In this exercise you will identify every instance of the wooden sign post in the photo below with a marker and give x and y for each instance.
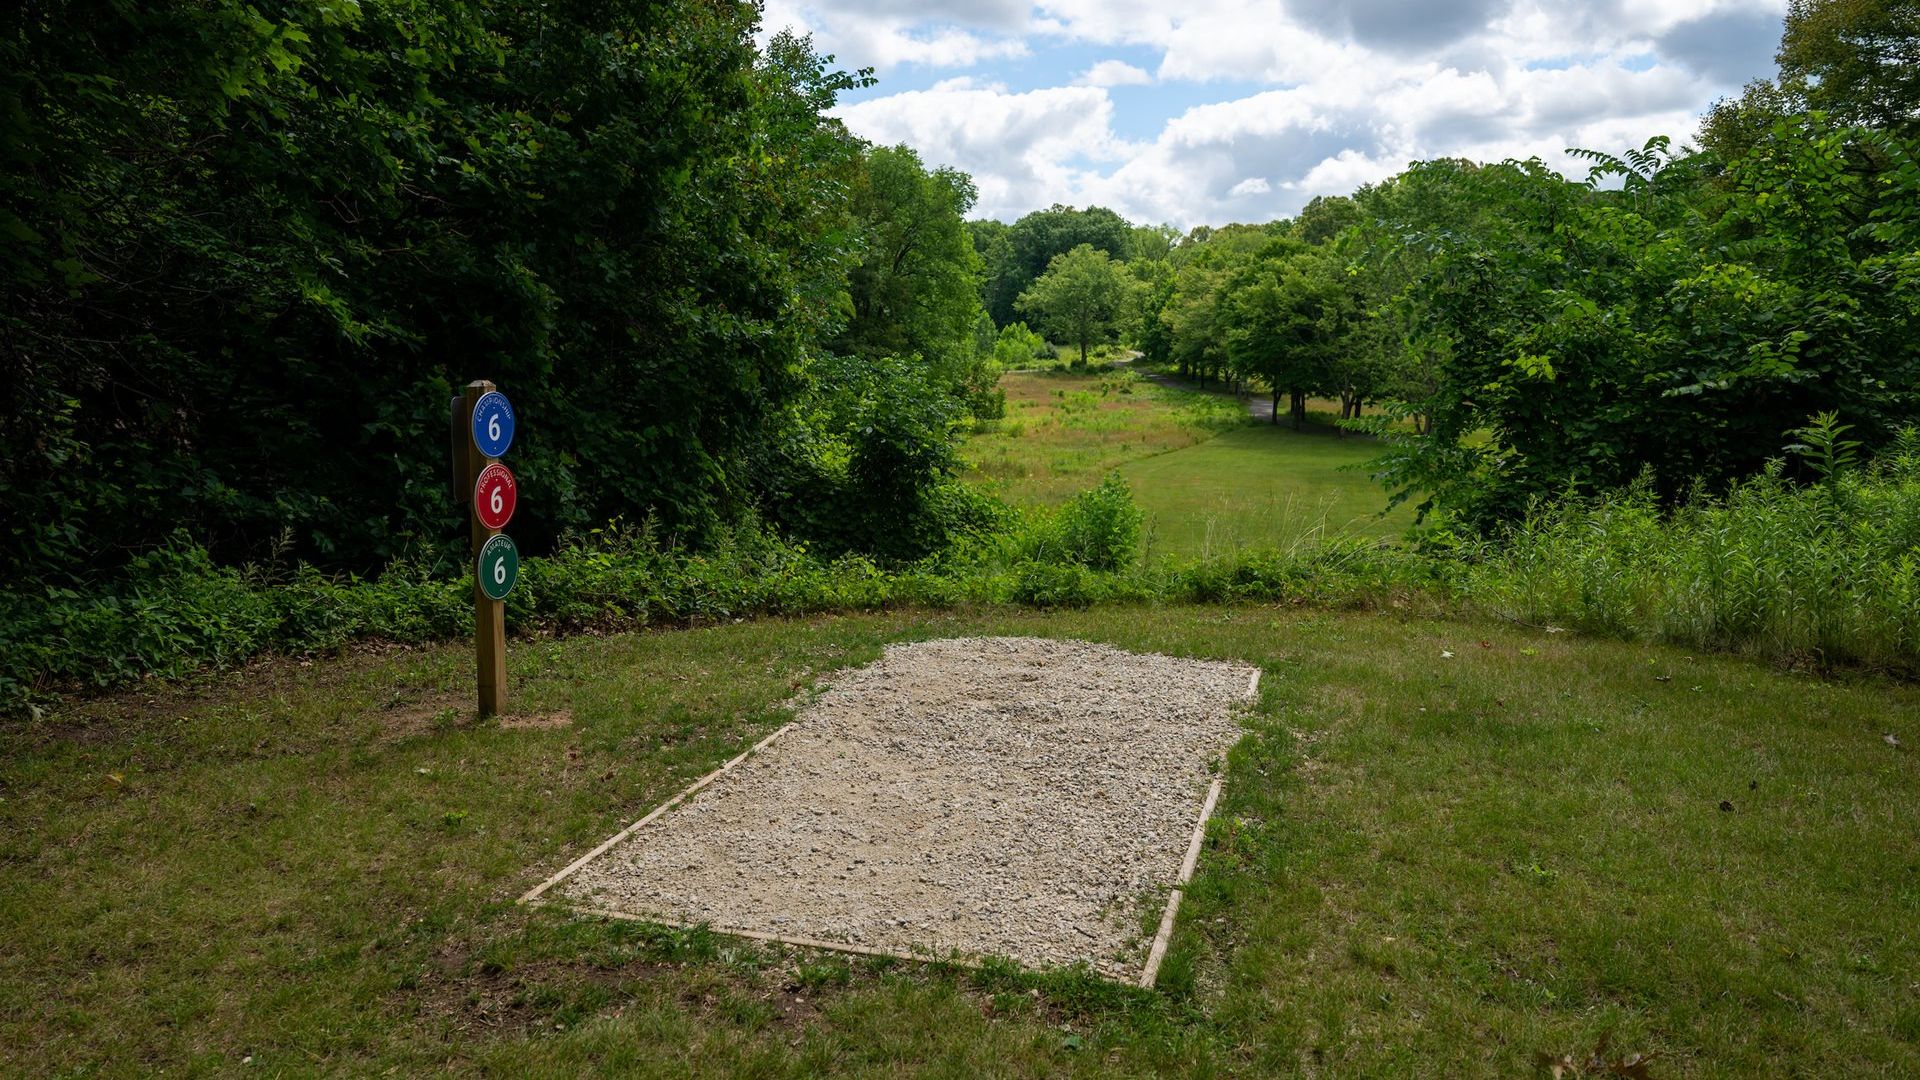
(483, 426)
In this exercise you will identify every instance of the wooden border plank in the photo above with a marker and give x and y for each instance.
(534, 893)
(1151, 972)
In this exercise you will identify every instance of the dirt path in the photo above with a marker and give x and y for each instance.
(1258, 407)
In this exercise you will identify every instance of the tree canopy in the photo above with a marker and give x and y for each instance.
(1017, 254)
(915, 287)
(251, 253)
(1080, 298)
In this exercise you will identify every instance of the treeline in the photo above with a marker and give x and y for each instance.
(252, 248)
(1673, 317)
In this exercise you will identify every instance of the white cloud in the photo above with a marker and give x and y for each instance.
(1323, 96)
(860, 34)
(1345, 172)
(1113, 73)
(1023, 150)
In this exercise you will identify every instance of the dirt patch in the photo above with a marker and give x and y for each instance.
(1019, 797)
(537, 721)
(405, 720)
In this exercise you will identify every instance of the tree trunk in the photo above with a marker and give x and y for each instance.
(1299, 410)
(1276, 406)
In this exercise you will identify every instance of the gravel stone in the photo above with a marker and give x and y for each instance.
(1019, 797)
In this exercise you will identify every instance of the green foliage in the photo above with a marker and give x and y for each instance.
(1080, 298)
(916, 287)
(1658, 318)
(1324, 218)
(1856, 60)
(251, 253)
(1292, 321)
(1018, 347)
(1795, 574)
(870, 465)
(1054, 585)
(1788, 573)
(1826, 451)
(1016, 255)
(1099, 528)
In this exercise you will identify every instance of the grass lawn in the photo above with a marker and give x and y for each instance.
(1064, 432)
(1260, 486)
(1210, 480)
(1443, 847)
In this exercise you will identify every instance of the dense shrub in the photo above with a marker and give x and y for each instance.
(871, 466)
(182, 612)
(1100, 528)
(1017, 346)
(1828, 572)
(1052, 585)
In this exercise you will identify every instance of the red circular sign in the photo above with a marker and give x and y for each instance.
(495, 495)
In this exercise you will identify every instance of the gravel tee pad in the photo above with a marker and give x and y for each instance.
(1019, 797)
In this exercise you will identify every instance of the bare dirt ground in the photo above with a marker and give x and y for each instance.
(1020, 797)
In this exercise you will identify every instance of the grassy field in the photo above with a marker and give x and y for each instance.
(1064, 432)
(1209, 479)
(1443, 848)
(1261, 486)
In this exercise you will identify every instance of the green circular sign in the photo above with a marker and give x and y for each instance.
(498, 567)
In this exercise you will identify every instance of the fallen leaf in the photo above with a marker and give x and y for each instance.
(1891, 740)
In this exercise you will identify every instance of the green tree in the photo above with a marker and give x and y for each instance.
(915, 289)
(1018, 346)
(1150, 243)
(1291, 318)
(1080, 298)
(251, 251)
(1325, 217)
(1194, 319)
(1658, 319)
(1034, 241)
(1856, 60)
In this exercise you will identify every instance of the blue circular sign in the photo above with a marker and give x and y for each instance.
(492, 424)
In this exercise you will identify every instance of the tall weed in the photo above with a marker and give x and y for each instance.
(1827, 573)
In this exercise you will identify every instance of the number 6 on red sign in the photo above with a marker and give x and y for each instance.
(495, 494)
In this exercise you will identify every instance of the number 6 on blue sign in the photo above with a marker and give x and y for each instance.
(492, 424)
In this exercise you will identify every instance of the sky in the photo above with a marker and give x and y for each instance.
(1213, 111)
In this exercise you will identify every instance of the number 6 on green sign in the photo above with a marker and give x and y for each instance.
(498, 567)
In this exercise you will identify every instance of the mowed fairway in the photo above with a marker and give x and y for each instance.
(1209, 478)
(1442, 848)
(1261, 486)
(1064, 432)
